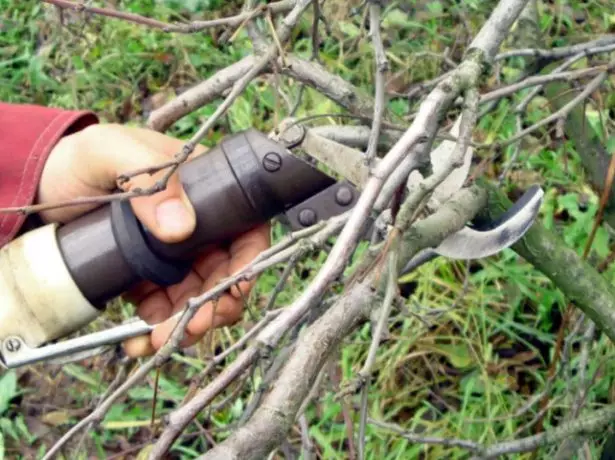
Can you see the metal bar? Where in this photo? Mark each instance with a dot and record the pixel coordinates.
(16, 353)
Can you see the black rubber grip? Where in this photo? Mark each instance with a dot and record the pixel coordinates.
(243, 182)
(146, 264)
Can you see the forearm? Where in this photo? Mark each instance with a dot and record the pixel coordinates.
(28, 133)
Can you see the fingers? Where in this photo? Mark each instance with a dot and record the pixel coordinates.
(243, 251)
(156, 305)
(88, 162)
(224, 311)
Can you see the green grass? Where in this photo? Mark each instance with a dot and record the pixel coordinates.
(482, 360)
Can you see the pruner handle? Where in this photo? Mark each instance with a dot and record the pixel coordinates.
(56, 279)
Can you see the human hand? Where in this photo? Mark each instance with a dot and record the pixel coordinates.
(88, 162)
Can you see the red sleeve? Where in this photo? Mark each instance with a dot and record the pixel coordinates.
(28, 133)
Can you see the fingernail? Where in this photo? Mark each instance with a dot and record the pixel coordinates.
(138, 347)
(173, 217)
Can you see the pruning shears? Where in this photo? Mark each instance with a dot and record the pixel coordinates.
(56, 279)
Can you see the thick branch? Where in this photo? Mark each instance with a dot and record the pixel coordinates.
(312, 74)
(161, 119)
(278, 412)
(576, 278)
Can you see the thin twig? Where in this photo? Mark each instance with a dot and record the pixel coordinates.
(449, 442)
(520, 108)
(195, 26)
(366, 370)
(595, 422)
(561, 113)
(248, 272)
(315, 32)
(561, 52)
(539, 80)
(382, 65)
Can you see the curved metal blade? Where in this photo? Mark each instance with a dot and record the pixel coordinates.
(489, 239)
(470, 242)
(479, 242)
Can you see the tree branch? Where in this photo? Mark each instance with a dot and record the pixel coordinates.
(575, 277)
(162, 118)
(189, 28)
(382, 65)
(277, 413)
(600, 45)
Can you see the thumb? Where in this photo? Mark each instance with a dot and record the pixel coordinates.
(88, 163)
(167, 214)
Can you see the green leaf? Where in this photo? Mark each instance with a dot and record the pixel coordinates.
(349, 29)
(22, 428)
(1, 446)
(395, 18)
(458, 354)
(8, 390)
(7, 427)
(81, 374)
(435, 7)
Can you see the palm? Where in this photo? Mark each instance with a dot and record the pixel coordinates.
(156, 304)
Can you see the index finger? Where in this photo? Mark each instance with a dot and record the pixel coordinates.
(243, 251)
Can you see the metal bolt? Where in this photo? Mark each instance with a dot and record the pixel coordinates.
(343, 196)
(272, 162)
(307, 217)
(12, 345)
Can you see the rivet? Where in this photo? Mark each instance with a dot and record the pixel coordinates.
(12, 345)
(272, 162)
(307, 217)
(343, 196)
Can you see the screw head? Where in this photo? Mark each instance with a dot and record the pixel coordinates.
(12, 344)
(343, 196)
(307, 217)
(272, 162)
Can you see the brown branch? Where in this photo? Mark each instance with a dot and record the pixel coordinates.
(309, 73)
(179, 419)
(539, 80)
(99, 199)
(188, 28)
(592, 423)
(561, 113)
(252, 270)
(392, 291)
(412, 437)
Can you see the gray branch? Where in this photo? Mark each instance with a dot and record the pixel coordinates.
(270, 423)
(590, 424)
(381, 67)
(204, 93)
(592, 47)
